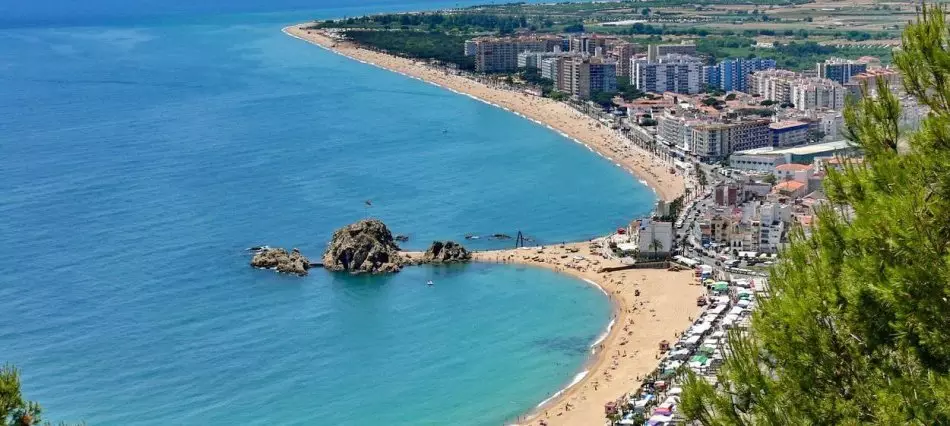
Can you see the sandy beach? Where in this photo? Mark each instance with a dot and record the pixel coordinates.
(557, 115)
(649, 305)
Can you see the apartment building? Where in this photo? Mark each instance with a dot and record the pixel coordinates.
(549, 68)
(734, 73)
(715, 141)
(656, 51)
(840, 70)
(589, 43)
(584, 76)
(669, 73)
(708, 139)
(623, 52)
(534, 59)
(809, 94)
(710, 76)
(788, 133)
(870, 78)
(500, 54)
(772, 84)
(806, 93)
(772, 229)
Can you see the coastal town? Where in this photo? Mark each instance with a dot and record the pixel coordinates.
(737, 150)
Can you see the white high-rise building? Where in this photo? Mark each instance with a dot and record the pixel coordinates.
(668, 73)
(806, 93)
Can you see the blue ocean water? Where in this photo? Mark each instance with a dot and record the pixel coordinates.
(141, 150)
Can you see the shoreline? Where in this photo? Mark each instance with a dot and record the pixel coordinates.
(556, 116)
(601, 378)
(636, 326)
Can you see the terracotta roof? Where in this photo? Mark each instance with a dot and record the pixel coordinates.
(792, 167)
(790, 186)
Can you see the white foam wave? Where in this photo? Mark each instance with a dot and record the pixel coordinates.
(577, 379)
(604, 335)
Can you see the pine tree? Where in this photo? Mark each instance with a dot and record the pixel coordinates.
(857, 328)
(14, 410)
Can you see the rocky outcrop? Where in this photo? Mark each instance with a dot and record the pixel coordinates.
(278, 258)
(446, 252)
(366, 246)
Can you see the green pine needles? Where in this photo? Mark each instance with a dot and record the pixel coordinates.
(857, 328)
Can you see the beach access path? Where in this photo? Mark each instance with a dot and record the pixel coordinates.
(556, 115)
(649, 306)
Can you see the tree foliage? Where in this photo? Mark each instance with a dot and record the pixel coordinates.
(857, 328)
(14, 410)
(439, 46)
(447, 21)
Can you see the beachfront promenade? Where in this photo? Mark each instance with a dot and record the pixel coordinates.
(650, 305)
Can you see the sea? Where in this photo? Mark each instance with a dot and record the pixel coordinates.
(145, 145)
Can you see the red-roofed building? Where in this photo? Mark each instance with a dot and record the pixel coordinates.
(791, 189)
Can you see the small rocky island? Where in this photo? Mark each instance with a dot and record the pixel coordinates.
(278, 259)
(366, 246)
(446, 252)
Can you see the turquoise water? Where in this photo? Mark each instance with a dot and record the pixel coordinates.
(140, 156)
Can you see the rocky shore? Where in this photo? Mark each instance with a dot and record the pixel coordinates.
(282, 261)
(446, 252)
(366, 246)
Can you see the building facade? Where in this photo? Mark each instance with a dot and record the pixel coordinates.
(788, 133)
(734, 73)
(655, 238)
(810, 94)
(840, 70)
(655, 51)
(669, 73)
(584, 76)
(500, 54)
(711, 76)
(805, 93)
(623, 53)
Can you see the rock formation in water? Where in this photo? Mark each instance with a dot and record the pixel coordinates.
(366, 246)
(278, 258)
(446, 252)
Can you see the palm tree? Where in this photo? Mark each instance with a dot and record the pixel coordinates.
(656, 246)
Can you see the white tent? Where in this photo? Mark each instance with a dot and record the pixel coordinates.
(699, 329)
(680, 354)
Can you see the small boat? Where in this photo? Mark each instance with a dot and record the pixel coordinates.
(430, 283)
